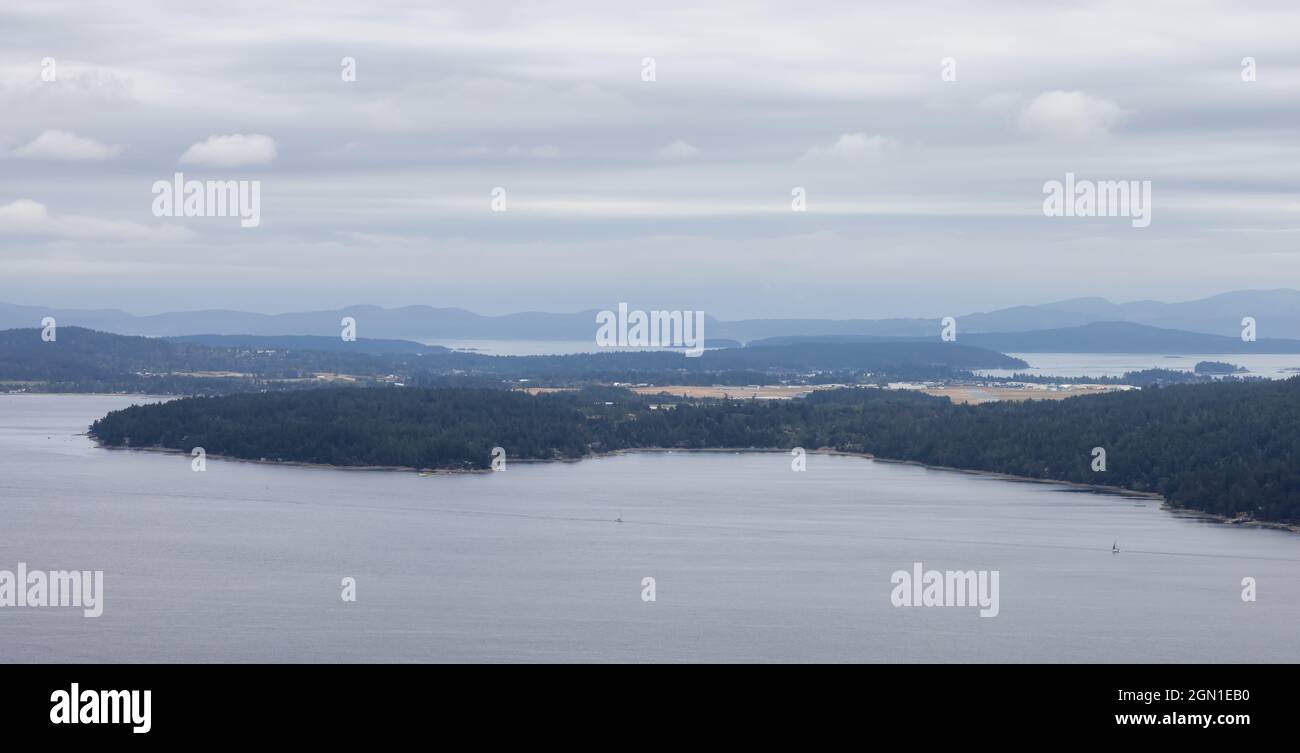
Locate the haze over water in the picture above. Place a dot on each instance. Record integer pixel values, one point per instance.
(753, 562)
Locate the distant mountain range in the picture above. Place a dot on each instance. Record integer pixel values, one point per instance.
(1277, 313)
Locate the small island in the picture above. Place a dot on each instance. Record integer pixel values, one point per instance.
(1218, 368)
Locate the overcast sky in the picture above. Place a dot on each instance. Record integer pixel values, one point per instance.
(924, 196)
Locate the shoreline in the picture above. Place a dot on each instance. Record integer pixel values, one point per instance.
(1107, 489)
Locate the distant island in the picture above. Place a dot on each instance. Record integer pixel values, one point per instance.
(1218, 367)
(1229, 449)
(83, 360)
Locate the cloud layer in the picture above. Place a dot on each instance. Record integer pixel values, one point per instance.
(923, 189)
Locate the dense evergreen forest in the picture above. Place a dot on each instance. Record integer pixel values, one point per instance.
(1229, 448)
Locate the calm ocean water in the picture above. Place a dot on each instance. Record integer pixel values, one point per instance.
(752, 561)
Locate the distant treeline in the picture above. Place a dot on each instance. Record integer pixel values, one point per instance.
(1230, 449)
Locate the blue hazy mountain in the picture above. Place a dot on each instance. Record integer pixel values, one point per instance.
(1277, 313)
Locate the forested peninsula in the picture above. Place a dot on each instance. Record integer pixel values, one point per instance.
(1230, 449)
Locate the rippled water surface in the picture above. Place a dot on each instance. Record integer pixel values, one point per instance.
(751, 561)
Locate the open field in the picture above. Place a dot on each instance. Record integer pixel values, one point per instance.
(957, 393)
(766, 392)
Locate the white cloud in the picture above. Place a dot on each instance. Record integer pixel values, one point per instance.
(27, 217)
(231, 151)
(62, 145)
(678, 150)
(1069, 116)
(852, 146)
